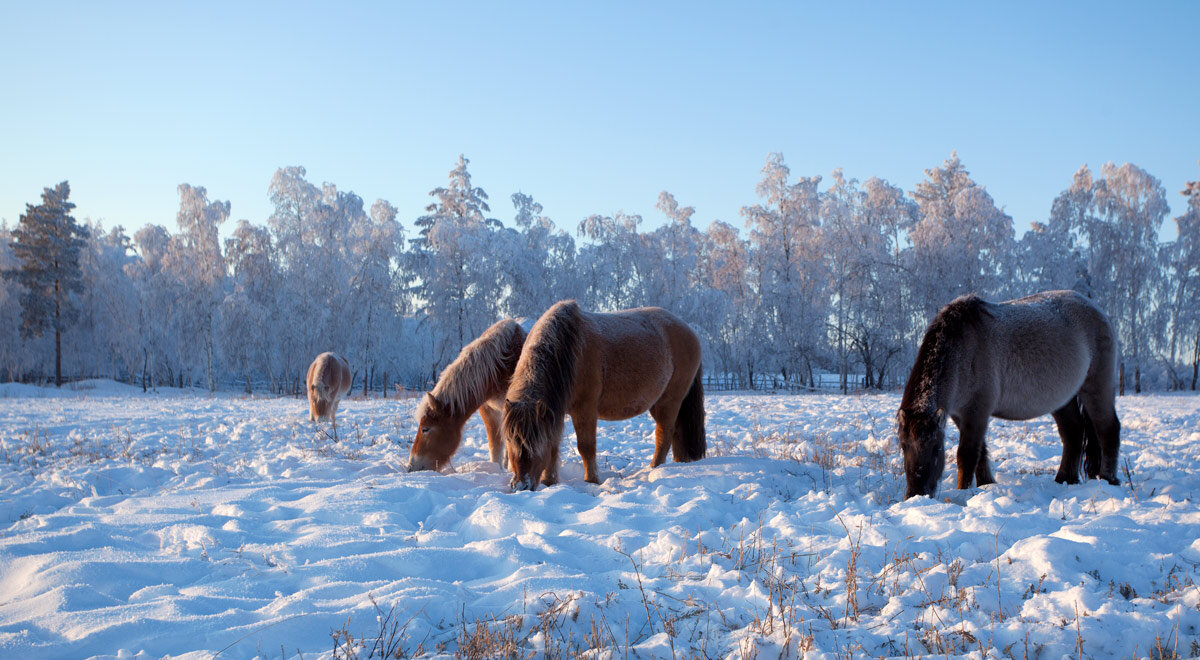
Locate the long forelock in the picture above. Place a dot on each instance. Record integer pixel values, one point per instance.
(528, 434)
(481, 364)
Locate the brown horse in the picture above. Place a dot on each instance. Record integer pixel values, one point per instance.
(602, 366)
(476, 380)
(1052, 352)
(327, 381)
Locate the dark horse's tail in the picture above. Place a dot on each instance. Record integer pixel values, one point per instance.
(1091, 447)
(689, 443)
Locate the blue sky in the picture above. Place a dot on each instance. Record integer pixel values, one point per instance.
(591, 108)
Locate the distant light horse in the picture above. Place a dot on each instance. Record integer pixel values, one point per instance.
(476, 380)
(1052, 352)
(602, 366)
(327, 381)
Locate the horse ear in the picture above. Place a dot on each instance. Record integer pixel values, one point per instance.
(435, 406)
(900, 417)
(508, 405)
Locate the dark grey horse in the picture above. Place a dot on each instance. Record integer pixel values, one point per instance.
(1052, 352)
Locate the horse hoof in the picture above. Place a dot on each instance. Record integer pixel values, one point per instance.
(1112, 480)
(1063, 479)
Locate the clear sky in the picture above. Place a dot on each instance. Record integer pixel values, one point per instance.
(590, 107)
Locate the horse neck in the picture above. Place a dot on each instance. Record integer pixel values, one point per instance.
(476, 377)
(930, 383)
(549, 363)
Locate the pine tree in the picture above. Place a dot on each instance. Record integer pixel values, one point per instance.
(47, 245)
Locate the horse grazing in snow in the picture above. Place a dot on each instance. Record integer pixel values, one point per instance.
(475, 381)
(602, 366)
(327, 381)
(1052, 352)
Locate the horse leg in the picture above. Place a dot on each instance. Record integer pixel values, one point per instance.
(1070, 430)
(1103, 415)
(971, 451)
(495, 436)
(585, 441)
(664, 414)
(550, 474)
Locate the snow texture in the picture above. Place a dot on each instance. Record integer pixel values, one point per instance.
(181, 525)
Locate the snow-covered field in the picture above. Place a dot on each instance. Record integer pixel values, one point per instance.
(178, 524)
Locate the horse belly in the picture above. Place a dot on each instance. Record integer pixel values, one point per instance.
(631, 393)
(1036, 391)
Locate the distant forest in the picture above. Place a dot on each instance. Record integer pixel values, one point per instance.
(824, 276)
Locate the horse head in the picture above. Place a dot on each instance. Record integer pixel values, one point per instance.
(438, 436)
(922, 435)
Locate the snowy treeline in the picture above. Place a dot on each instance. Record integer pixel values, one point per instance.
(835, 275)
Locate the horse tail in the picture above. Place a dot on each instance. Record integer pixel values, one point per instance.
(1091, 447)
(689, 443)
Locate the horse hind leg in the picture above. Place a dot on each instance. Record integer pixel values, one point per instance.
(495, 433)
(585, 442)
(972, 453)
(1070, 424)
(664, 414)
(1102, 414)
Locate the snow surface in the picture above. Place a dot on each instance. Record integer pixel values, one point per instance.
(183, 525)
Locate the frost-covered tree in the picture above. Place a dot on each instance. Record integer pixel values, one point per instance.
(376, 245)
(107, 332)
(455, 266)
(47, 243)
(1131, 205)
(863, 232)
(676, 246)
(195, 262)
(612, 261)
(538, 261)
(1181, 281)
(792, 284)
(731, 325)
(249, 314)
(1066, 236)
(962, 240)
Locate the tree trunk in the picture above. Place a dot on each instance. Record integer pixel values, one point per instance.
(1137, 379)
(1121, 379)
(57, 340)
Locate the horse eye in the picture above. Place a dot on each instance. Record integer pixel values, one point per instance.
(424, 429)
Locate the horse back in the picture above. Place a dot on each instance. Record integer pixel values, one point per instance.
(332, 371)
(1039, 351)
(633, 357)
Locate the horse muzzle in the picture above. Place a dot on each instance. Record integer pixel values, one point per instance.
(526, 482)
(420, 463)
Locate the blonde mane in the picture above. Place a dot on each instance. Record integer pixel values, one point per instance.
(464, 383)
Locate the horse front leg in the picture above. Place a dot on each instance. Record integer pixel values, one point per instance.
(495, 436)
(1070, 430)
(972, 453)
(585, 442)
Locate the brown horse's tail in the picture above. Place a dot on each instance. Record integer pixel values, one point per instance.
(689, 442)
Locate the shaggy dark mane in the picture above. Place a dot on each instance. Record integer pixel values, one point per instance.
(937, 351)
